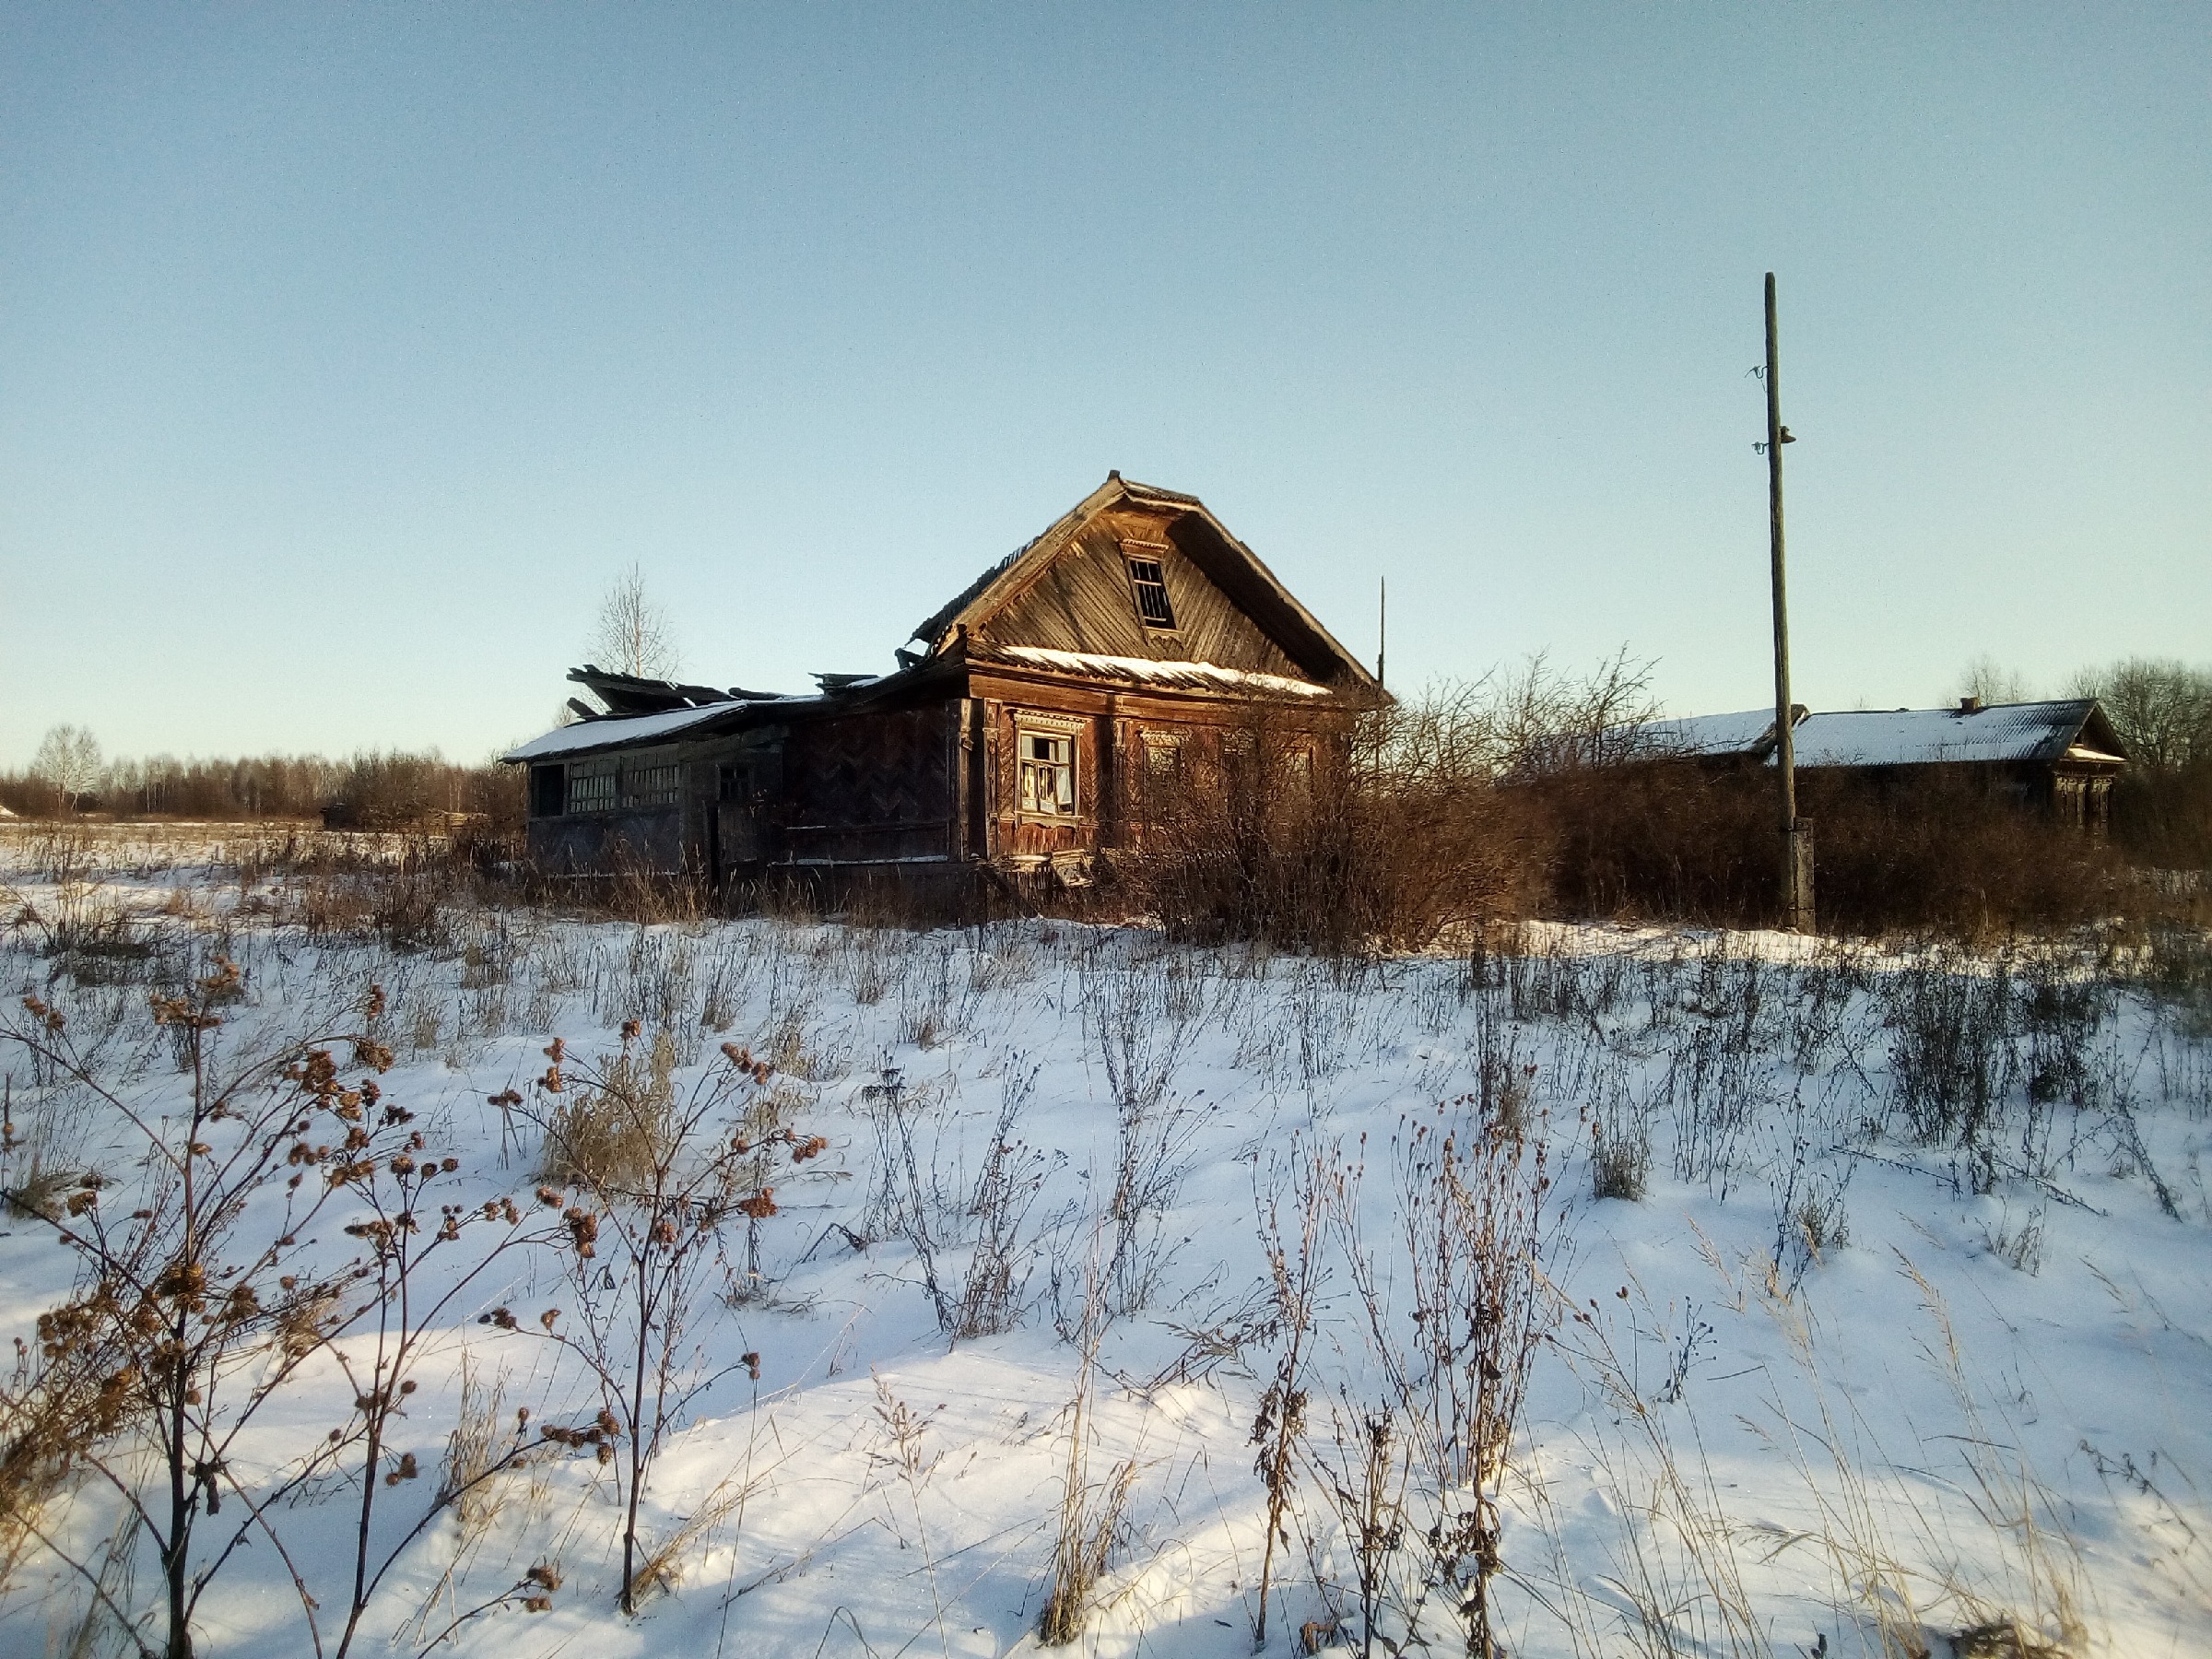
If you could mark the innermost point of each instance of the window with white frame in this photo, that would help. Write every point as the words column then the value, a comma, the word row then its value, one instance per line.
column 1048, row 772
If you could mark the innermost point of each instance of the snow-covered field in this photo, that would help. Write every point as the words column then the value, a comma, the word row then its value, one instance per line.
column 1908, row 1332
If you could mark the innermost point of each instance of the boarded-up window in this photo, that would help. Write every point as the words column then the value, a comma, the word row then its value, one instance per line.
column 1048, row 775
column 651, row 785
column 591, row 791
column 1163, row 754
column 1148, row 584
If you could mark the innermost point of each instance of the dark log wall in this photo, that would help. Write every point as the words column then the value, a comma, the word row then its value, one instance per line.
column 874, row 786
column 644, row 841
column 1082, row 602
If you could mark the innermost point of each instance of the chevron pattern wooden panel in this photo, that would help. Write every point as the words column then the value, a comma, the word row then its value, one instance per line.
column 875, row 768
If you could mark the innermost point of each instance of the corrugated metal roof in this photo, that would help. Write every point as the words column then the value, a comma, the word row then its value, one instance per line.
column 1749, row 731
column 2034, row 731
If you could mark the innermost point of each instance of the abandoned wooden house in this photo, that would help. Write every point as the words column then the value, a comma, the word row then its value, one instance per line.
column 2058, row 758
column 1135, row 637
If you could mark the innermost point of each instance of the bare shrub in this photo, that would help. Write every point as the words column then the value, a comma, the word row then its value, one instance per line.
column 1950, row 1064
column 197, row 1307
column 991, row 1221
column 1005, row 1250
column 1088, row 1521
column 1472, row 1201
column 657, row 1188
column 1669, row 840
column 1383, row 830
column 1620, row 1149
column 1144, row 1019
column 2017, row 1243
column 1294, row 1276
column 1363, row 1472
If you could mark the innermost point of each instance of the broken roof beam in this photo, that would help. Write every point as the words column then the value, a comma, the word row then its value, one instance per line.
column 631, row 694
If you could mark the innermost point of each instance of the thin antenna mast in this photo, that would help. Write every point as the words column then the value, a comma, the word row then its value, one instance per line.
column 1382, row 625
column 1796, row 832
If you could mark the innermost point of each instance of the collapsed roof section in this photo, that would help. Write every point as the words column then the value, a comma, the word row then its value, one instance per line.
column 628, row 694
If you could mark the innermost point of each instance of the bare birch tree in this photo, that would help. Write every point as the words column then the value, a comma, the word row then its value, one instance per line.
column 632, row 635
column 69, row 762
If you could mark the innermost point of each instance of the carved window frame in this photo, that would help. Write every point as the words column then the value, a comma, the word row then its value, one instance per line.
column 1058, row 766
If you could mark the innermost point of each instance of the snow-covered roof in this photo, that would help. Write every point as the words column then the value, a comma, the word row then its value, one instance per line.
column 622, row 729
column 1749, row 731
column 1196, row 676
column 2032, row 731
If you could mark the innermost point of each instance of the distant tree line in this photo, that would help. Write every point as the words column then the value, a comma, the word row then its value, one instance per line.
column 68, row 776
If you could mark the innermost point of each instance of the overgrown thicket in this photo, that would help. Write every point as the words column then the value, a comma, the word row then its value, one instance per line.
column 1527, row 794
column 2163, row 712
column 274, row 1249
column 1389, row 830
column 1674, row 841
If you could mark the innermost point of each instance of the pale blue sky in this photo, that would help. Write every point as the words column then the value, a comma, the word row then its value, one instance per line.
column 346, row 352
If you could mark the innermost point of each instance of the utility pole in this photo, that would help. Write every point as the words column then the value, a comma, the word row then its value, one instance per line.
column 1796, row 832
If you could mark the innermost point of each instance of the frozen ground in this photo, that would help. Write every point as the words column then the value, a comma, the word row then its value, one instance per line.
column 1906, row 1332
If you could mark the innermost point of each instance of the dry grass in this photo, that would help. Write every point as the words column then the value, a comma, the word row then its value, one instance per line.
column 1090, row 1520
column 612, row 1137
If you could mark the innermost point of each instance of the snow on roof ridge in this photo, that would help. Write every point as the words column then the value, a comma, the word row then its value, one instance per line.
column 1089, row 662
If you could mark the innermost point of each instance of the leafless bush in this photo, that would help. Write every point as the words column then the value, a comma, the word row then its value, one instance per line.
column 1620, row 1147
column 1363, row 1472
column 1385, row 831
column 657, row 1189
column 1144, row 1019
column 1088, row 1521
column 1950, row 1066
column 1000, row 1261
column 991, row 1221
column 1295, row 1270
column 1471, row 1199
column 613, row 1133
column 2018, row 1244
column 196, row 1309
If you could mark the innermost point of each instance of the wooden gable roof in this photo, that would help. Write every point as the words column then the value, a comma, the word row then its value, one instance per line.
column 1069, row 592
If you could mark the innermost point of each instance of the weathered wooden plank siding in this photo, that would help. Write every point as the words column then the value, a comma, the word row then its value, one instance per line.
column 1082, row 602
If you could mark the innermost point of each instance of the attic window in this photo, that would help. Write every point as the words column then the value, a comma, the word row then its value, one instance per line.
column 1148, row 584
